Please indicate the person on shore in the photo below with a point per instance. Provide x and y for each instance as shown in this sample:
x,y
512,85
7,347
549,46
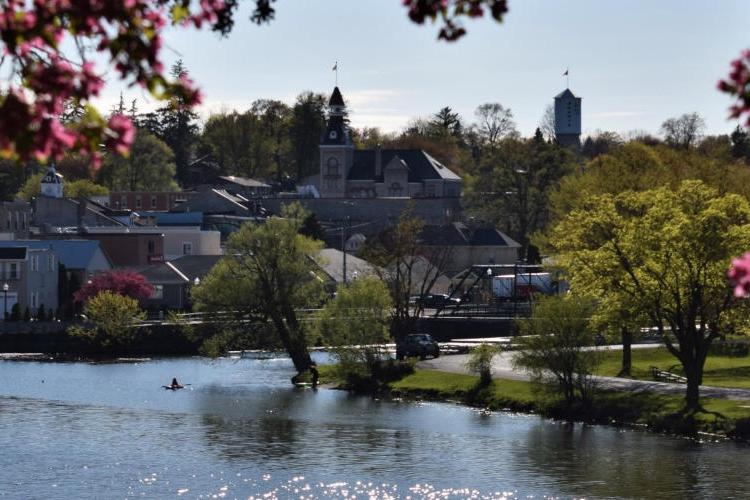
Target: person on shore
x,y
314,374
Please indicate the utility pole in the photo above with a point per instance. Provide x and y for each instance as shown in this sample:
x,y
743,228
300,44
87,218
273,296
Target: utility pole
x,y
343,245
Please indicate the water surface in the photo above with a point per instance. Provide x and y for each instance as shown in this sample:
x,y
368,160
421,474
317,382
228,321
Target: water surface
x,y
80,430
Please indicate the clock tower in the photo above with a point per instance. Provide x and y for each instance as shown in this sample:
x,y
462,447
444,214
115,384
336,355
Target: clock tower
x,y
336,150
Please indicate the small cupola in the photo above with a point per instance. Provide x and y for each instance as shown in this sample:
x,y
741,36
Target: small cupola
x,y
52,183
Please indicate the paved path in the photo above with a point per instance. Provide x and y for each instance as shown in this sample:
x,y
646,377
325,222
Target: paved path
x,y
501,368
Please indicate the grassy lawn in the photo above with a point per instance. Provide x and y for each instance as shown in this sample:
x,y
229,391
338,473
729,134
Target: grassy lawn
x,y
658,411
721,371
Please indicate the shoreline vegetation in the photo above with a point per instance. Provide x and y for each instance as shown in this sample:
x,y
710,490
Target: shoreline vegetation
x,y
717,418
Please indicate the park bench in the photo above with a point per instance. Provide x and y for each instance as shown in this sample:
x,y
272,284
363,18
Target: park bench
x,y
666,376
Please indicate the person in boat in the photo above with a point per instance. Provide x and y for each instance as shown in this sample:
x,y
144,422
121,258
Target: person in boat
x,y
314,375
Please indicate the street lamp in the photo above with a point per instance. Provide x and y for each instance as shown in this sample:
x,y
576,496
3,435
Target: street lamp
x,y
5,293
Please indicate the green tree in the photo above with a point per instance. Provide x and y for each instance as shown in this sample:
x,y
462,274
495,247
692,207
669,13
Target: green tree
x,y
12,176
554,345
663,254
150,167
356,323
177,126
81,188
512,187
480,362
308,122
271,275
114,317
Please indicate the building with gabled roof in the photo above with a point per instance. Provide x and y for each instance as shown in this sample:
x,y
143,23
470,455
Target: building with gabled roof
x,y
466,246
377,173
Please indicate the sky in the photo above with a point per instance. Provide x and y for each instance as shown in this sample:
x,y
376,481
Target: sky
x,y
635,63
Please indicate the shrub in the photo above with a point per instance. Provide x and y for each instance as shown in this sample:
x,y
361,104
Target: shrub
x,y
15,312
554,346
480,362
113,316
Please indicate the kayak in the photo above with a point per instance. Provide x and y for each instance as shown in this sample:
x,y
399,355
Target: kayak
x,y
173,387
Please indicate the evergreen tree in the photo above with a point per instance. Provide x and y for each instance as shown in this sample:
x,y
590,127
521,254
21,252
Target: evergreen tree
x,y
177,126
740,144
308,125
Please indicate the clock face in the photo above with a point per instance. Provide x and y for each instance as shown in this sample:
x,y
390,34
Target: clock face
x,y
333,134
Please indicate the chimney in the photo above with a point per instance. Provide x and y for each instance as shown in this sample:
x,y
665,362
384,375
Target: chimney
x,y
378,160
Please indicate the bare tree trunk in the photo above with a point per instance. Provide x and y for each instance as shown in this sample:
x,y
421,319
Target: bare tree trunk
x,y
627,352
294,342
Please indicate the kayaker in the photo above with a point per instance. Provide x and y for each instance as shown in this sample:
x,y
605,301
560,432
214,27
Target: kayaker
x,y
175,384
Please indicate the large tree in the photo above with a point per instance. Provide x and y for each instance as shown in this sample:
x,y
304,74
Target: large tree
x,y
308,122
149,167
494,121
408,268
178,126
663,253
684,131
272,276
512,187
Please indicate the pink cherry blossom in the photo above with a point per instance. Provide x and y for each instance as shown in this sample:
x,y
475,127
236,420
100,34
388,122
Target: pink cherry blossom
x,y
739,274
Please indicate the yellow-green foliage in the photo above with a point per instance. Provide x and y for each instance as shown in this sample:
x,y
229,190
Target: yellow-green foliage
x,y
356,323
113,315
81,188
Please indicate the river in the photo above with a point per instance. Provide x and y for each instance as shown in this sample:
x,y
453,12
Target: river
x,y
82,430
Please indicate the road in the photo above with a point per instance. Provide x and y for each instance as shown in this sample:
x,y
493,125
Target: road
x,y
502,368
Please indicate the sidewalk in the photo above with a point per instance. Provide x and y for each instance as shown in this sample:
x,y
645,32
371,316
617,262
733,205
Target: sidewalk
x,y
502,368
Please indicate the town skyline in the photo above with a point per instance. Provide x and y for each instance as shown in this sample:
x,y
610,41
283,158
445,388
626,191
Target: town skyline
x,y
627,79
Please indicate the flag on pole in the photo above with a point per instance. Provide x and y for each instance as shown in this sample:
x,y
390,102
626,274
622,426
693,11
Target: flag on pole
x,y
335,66
566,73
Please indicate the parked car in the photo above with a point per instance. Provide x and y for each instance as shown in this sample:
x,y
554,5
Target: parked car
x,y
417,344
437,300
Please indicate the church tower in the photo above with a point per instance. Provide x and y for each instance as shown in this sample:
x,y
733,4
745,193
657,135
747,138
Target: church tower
x,y
52,183
336,150
568,119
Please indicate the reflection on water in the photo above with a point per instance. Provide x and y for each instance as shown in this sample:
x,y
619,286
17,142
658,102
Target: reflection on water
x,y
108,431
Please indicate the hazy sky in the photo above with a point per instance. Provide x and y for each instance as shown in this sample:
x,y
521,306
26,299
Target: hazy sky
x,y
635,62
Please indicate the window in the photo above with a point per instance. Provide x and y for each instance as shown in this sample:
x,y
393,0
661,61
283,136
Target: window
x,y
34,301
332,184
158,292
430,191
34,262
395,189
50,262
153,202
25,221
124,201
13,271
333,166
138,201
151,247
18,220
7,221
187,248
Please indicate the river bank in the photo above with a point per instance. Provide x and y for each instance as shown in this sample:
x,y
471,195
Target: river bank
x,y
657,412
662,413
